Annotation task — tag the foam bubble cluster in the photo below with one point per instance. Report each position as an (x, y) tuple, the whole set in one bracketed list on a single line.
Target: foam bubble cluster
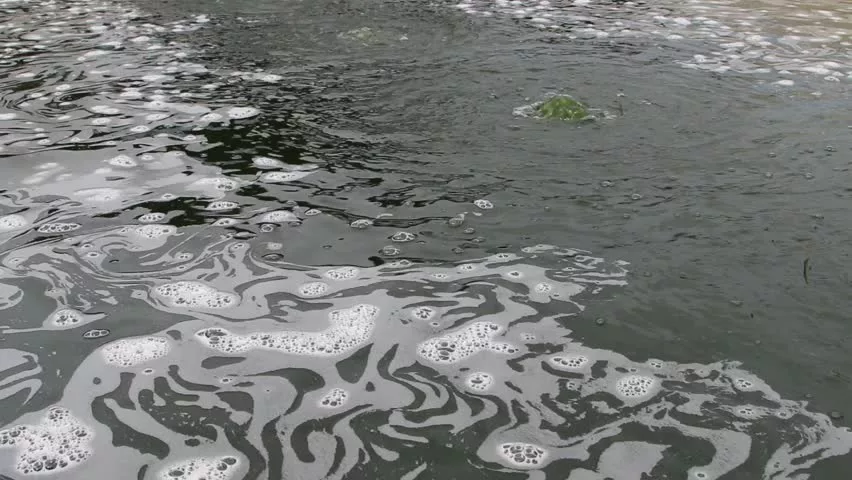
[(573, 362), (635, 386), (152, 217), (342, 273), (313, 289), (12, 222), (129, 352), (349, 328), (522, 455), (152, 232), (483, 204), (122, 161), (239, 113), (336, 397), (96, 333), (66, 318), (279, 216), (219, 206), (59, 442), (58, 227), (422, 313), (479, 381), (282, 177), (457, 346), (205, 468), (188, 294), (267, 162)]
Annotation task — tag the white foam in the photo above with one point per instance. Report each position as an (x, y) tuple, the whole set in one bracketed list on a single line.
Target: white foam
[(12, 222), (58, 227), (361, 223), (283, 177), (239, 113), (342, 273), (635, 386), (129, 352), (204, 468), (96, 333), (152, 232), (279, 216), (267, 162), (403, 237), (152, 217), (483, 204), (423, 313), (221, 206), (313, 289), (349, 329), (463, 343), (188, 294), (571, 362), (222, 184), (58, 443), (479, 381), (522, 455), (334, 398), (66, 318)]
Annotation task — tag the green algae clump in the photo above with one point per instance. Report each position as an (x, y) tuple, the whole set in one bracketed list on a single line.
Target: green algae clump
[(563, 107)]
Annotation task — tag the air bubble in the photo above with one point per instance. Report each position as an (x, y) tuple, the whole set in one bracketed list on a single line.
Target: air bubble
[(361, 223), (479, 381), (522, 455), (152, 217), (334, 398), (422, 313), (403, 237), (572, 362), (58, 227)]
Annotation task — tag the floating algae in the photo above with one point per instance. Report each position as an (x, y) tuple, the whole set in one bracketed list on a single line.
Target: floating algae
[(563, 107)]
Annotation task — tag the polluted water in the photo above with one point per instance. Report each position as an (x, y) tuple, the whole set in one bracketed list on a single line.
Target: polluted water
[(203, 278)]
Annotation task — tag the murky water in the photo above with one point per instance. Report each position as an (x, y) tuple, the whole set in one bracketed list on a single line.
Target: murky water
[(277, 239)]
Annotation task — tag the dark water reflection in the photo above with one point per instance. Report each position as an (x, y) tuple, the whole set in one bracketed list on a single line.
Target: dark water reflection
[(184, 187)]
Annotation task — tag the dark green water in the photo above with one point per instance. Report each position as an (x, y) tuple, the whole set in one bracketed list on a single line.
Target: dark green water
[(699, 232)]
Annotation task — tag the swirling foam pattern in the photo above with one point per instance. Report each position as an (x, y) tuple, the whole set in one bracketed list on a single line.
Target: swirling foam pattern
[(234, 363)]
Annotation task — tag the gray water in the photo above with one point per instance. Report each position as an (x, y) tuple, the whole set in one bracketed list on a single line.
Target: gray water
[(277, 239)]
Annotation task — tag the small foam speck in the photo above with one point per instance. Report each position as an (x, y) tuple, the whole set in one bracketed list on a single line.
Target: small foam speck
[(522, 455), (334, 398)]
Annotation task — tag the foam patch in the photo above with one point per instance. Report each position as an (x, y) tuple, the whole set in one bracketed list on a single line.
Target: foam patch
[(58, 443), (341, 274), (12, 222), (129, 352), (479, 381), (205, 468), (464, 343), (349, 329), (188, 294), (58, 227), (334, 398), (522, 455)]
